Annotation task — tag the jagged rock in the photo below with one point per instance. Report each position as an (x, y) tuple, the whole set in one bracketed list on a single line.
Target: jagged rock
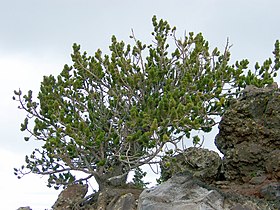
[(124, 202), (202, 163), (69, 198), (272, 164), (110, 198), (271, 192), (183, 192), (178, 193), (249, 135)]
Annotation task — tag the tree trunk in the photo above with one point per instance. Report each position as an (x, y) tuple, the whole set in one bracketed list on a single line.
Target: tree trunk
[(116, 178), (109, 185), (109, 196)]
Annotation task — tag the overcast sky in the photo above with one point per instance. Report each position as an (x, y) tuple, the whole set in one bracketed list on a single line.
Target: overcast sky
[(36, 39)]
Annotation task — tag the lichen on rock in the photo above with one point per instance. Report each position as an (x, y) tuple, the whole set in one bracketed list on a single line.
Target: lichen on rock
[(249, 135), (201, 163)]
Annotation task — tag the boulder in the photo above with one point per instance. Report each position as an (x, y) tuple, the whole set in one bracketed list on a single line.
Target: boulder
[(184, 192), (110, 198), (70, 197), (181, 192), (201, 163), (249, 135), (125, 202)]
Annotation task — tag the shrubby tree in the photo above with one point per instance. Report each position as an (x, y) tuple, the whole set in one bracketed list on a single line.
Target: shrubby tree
[(106, 115)]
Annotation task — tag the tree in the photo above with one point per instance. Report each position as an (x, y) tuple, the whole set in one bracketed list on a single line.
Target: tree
[(109, 114)]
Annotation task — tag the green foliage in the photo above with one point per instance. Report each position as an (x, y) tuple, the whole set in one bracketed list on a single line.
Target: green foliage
[(106, 115), (138, 178)]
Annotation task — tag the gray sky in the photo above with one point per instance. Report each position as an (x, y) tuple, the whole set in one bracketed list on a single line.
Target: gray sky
[(36, 39)]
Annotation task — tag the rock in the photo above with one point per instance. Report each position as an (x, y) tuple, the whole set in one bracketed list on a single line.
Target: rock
[(272, 86), (258, 180), (249, 135), (69, 198), (183, 192), (24, 208), (202, 163), (251, 90), (271, 192), (244, 207), (272, 163), (124, 202), (118, 198)]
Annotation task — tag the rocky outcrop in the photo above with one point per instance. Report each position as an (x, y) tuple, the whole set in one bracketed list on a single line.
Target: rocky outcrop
[(111, 198), (247, 178), (271, 192), (71, 197), (180, 192), (249, 138), (184, 192), (126, 202), (202, 163), (249, 135)]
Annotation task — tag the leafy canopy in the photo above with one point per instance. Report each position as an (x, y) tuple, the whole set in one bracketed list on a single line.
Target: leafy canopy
[(106, 115)]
